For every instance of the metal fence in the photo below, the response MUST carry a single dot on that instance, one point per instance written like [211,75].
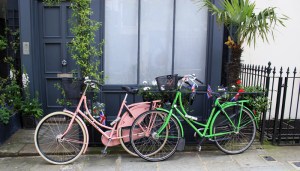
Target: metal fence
[281,122]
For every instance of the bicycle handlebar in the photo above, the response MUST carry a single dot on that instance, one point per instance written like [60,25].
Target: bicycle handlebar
[192,78]
[90,82]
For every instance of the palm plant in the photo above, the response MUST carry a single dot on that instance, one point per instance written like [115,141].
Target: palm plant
[245,25]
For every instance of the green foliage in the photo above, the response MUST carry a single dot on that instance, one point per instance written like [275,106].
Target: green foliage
[52,2]
[150,92]
[83,47]
[31,107]
[3,43]
[10,93]
[258,102]
[63,101]
[4,115]
[247,24]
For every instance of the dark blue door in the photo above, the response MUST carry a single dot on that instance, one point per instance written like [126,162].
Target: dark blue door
[56,62]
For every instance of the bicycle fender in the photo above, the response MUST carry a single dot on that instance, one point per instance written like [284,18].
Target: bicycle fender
[178,121]
[86,130]
[127,120]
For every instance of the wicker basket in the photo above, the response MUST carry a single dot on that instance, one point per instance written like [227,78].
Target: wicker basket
[167,82]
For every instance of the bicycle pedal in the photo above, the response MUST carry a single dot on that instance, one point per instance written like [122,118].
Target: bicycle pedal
[199,148]
[181,144]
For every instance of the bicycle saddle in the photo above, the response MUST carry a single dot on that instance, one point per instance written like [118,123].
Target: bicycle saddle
[130,89]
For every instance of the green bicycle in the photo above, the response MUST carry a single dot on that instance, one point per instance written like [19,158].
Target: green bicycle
[155,135]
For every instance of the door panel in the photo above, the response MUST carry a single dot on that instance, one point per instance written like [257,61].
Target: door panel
[52,18]
[52,57]
[56,62]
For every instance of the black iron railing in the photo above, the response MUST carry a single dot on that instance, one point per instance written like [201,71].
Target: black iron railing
[281,122]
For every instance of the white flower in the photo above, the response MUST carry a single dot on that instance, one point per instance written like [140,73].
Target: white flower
[146,88]
[154,82]
[145,82]
[11,75]
[25,80]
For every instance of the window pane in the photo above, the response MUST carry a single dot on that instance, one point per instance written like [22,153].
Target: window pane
[156,38]
[190,39]
[121,41]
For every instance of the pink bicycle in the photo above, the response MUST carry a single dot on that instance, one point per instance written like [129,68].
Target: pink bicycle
[61,137]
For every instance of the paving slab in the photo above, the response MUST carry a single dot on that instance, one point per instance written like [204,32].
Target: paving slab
[184,161]
[8,150]
[28,150]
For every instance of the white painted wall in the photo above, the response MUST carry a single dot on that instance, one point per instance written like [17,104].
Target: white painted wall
[284,52]
[285,49]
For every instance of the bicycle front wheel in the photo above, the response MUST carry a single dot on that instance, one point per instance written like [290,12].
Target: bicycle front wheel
[238,129]
[145,139]
[54,147]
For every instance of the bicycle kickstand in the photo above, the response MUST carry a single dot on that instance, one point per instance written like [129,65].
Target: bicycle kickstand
[104,151]
[199,147]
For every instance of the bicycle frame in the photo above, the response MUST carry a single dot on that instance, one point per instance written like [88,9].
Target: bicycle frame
[208,126]
[133,110]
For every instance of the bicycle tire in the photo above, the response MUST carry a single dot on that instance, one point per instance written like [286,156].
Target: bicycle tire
[147,145]
[237,141]
[51,146]
[125,142]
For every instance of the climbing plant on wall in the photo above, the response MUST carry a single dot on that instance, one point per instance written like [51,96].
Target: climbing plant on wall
[83,47]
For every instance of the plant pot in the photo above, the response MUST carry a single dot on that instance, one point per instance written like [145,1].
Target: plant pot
[6,130]
[29,122]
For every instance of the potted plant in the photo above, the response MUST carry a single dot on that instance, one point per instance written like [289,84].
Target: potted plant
[244,26]
[258,102]
[149,92]
[10,102]
[31,109]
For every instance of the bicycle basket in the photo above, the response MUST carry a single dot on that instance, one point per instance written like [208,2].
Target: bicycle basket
[167,82]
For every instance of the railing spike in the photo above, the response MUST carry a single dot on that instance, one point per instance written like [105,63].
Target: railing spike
[269,64]
[280,71]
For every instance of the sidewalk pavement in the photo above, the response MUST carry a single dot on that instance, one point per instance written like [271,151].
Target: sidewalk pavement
[19,153]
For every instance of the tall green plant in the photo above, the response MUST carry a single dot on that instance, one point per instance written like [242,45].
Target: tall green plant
[83,47]
[245,26]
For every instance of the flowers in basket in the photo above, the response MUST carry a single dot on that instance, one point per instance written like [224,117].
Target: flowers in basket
[148,91]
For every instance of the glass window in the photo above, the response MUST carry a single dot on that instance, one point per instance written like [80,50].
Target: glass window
[156,38]
[190,39]
[121,41]
[143,40]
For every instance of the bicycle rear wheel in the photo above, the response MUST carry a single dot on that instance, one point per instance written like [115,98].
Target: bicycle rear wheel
[52,146]
[125,142]
[240,136]
[144,139]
